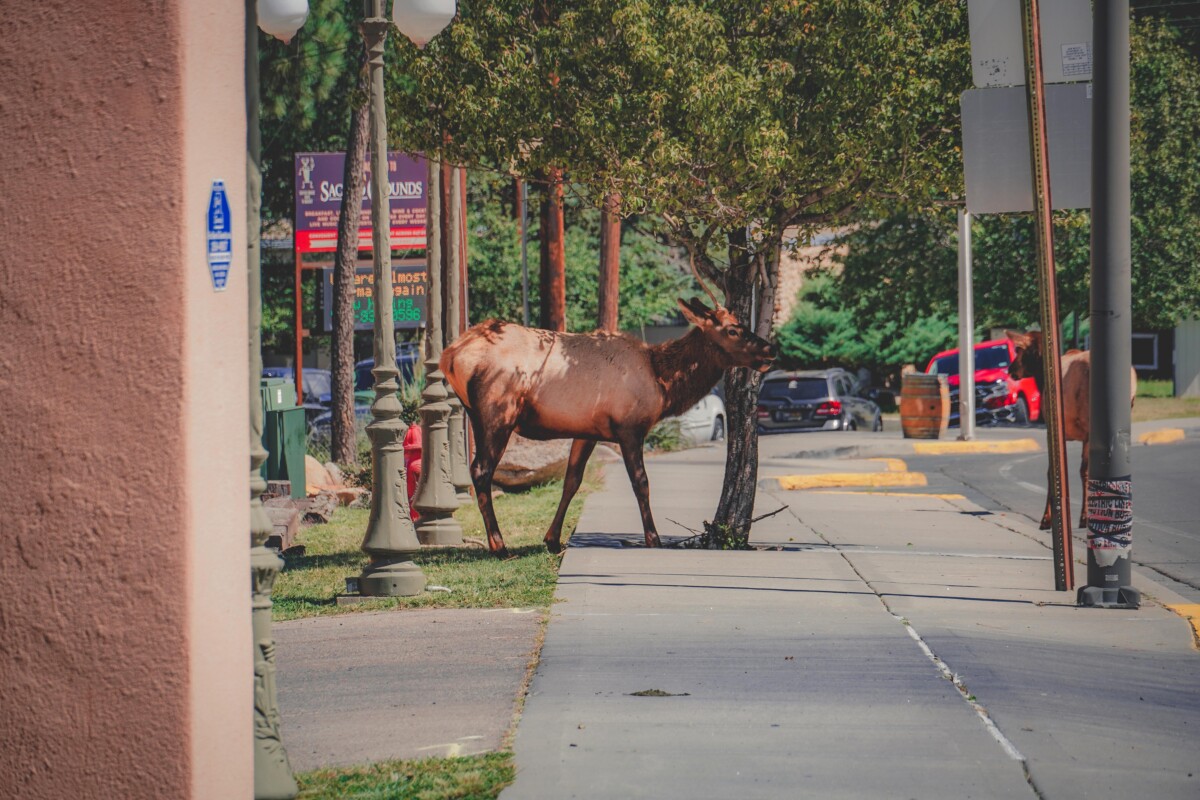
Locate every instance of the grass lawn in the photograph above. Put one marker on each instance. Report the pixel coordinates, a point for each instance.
(309, 584)
(470, 778)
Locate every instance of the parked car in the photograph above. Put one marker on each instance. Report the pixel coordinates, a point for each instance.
(824, 400)
(998, 397)
(705, 421)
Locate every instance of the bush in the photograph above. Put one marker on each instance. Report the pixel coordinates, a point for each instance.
(666, 436)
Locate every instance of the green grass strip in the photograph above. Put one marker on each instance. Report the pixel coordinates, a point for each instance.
(478, 777)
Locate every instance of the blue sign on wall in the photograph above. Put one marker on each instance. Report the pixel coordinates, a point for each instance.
(220, 236)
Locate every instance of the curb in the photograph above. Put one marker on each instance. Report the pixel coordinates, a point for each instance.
(1161, 436)
(1007, 446)
(834, 480)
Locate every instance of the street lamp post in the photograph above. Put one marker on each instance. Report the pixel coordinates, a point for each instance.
(391, 540)
(273, 778)
(435, 498)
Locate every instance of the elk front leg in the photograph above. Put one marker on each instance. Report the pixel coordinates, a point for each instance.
(489, 447)
(631, 451)
(581, 450)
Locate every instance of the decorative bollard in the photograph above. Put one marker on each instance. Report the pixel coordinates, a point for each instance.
(436, 498)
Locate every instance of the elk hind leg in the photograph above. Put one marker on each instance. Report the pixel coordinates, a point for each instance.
(631, 451)
(489, 447)
(581, 450)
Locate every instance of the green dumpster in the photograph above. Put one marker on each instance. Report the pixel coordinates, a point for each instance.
(283, 434)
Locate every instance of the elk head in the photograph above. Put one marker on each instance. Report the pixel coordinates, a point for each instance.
(1027, 363)
(740, 345)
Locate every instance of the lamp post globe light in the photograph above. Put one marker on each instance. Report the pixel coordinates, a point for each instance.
(273, 778)
(282, 18)
(421, 20)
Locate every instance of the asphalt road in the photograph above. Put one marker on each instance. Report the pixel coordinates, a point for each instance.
(1166, 499)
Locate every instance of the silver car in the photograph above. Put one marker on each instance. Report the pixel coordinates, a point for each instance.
(823, 400)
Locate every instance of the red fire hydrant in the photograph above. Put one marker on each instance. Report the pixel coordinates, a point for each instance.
(412, 464)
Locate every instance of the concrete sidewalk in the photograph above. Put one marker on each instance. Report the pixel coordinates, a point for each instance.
(894, 645)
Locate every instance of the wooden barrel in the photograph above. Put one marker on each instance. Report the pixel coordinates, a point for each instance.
(924, 405)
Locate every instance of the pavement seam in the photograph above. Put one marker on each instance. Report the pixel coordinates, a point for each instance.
(944, 670)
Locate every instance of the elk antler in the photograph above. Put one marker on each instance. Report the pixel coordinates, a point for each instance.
(699, 280)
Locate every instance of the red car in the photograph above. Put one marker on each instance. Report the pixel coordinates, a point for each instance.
(997, 395)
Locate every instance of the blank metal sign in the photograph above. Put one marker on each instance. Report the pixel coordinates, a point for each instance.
(996, 156)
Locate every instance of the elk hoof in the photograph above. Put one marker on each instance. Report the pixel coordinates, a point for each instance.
(1045, 526)
(501, 554)
(554, 546)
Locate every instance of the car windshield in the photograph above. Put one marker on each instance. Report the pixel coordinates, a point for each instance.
(364, 379)
(992, 357)
(317, 383)
(795, 389)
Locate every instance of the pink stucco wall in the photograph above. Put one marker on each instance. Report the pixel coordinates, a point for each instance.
(125, 660)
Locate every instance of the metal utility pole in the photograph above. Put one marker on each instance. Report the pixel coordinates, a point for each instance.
(966, 330)
(1052, 402)
(1110, 479)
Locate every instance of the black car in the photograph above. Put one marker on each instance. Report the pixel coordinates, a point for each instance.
(823, 400)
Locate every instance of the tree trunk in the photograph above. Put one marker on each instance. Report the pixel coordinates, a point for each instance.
(750, 289)
(344, 443)
(610, 262)
(553, 283)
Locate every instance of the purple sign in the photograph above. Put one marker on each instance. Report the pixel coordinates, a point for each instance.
(319, 198)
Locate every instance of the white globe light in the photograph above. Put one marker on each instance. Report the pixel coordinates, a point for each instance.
(421, 20)
(282, 18)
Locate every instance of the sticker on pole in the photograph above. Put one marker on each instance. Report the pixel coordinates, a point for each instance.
(220, 236)
(1110, 516)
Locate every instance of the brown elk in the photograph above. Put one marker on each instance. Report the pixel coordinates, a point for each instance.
(597, 387)
(1076, 394)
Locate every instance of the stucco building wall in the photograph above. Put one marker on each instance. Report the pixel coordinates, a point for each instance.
(125, 655)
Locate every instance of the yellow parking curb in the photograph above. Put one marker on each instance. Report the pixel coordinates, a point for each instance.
(831, 480)
(944, 448)
(895, 494)
(1161, 436)
(891, 464)
(1190, 612)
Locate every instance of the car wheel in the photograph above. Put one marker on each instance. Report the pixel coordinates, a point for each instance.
(877, 425)
(1020, 412)
(718, 431)
(848, 424)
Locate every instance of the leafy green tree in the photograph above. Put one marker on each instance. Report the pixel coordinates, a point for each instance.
(650, 282)
(906, 261)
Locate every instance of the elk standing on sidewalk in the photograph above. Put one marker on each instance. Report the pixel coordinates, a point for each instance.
(598, 387)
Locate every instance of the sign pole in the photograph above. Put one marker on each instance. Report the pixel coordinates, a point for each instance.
(1110, 479)
(966, 330)
(1052, 402)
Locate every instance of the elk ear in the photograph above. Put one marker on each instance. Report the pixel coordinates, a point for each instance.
(1017, 338)
(693, 310)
